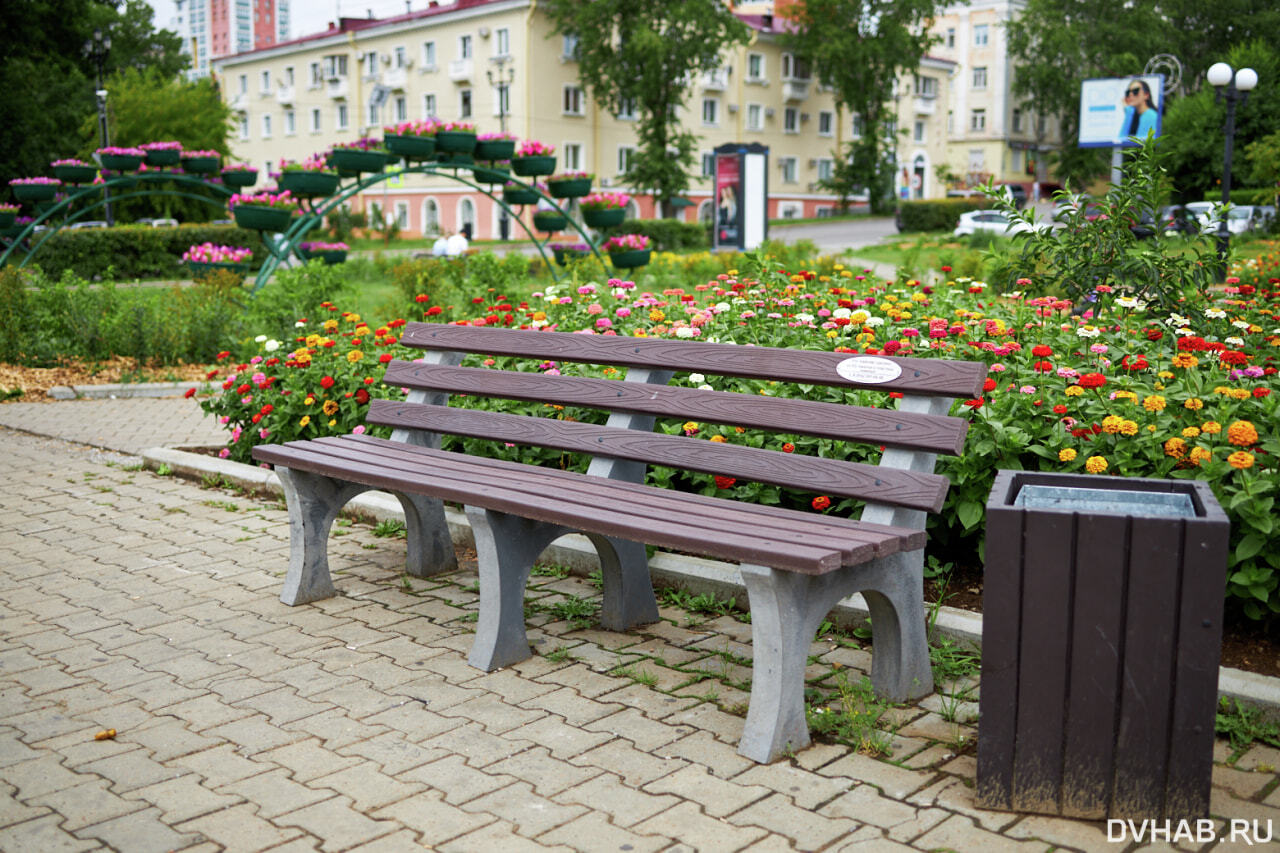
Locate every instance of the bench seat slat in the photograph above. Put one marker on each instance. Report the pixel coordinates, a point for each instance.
(912, 489)
(925, 376)
(890, 427)
(886, 539)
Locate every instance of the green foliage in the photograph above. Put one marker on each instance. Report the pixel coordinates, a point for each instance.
(937, 214)
(15, 314)
(343, 221)
(1245, 724)
(647, 54)
(858, 718)
(134, 252)
(671, 235)
(878, 40)
(290, 295)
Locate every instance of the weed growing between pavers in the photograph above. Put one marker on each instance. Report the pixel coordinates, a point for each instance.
(856, 718)
(390, 528)
(1244, 725)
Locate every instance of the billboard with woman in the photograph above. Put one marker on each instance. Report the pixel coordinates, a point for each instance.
(1120, 111)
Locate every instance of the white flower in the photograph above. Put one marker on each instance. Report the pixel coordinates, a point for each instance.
(1132, 302)
(1241, 324)
(299, 325)
(271, 346)
(1178, 320)
(705, 388)
(721, 307)
(260, 339)
(1088, 332)
(804, 318)
(684, 332)
(1215, 313)
(1234, 341)
(696, 379)
(841, 313)
(873, 321)
(1183, 331)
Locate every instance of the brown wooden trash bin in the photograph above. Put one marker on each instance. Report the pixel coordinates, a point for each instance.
(1101, 636)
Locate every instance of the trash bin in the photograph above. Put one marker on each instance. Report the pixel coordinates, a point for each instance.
(1101, 636)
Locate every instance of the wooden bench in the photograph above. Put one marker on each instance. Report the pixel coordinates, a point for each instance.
(796, 565)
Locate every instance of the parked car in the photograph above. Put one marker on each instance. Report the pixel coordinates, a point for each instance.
(159, 223)
(1017, 192)
(993, 222)
(1176, 219)
(1203, 212)
(1065, 207)
(88, 223)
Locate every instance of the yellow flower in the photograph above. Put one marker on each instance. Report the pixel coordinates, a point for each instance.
(846, 274)
(1175, 447)
(1126, 395)
(1129, 428)
(1164, 374)
(354, 356)
(306, 419)
(1211, 427)
(539, 315)
(1066, 454)
(1242, 434)
(1222, 389)
(1200, 455)
(1185, 359)
(690, 426)
(1154, 403)
(313, 340)
(1195, 404)
(1095, 464)
(353, 318)
(1240, 460)
(719, 439)
(1111, 424)
(310, 400)
(331, 325)
(1074, 391)
(1151, 427)
(832, 333)
(330, 407)
(657, 316)
(1239, 394)
(1190, 432)
(333, 422)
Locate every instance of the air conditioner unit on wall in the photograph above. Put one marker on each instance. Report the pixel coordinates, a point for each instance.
(484, 32)
(768, 111)
(733, 108)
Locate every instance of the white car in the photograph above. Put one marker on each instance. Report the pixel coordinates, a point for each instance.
(994, 222)
(1203, 213)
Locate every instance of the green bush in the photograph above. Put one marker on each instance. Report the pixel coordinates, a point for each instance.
(134, 251)
(670, 235)
(1256, 195)
(937, 214)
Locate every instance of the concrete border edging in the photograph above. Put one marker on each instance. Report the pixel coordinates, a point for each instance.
(693, 574)
(125, 389)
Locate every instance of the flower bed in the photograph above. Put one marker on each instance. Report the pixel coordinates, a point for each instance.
(210, 253)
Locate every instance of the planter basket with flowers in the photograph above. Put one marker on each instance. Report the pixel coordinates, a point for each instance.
(72, 171)
(549, 220)
(456, 137)
(206, 257)
(412, 140)
(162, 154)
(604, 210)
(628, 250)
(311, 177)
(238, 175)
(330, 253)
(566, 252)
(121, 159)
(570, 184)
(200, 162)
(8, 213)
(363, 155)
(494, 173)
(263, 211)
(34, 189)
(532, 159)
(513, 193)
(495, 146)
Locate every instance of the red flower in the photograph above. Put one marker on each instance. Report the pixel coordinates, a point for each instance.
(989, 384)
(385, 357)
(191, 392)
(820, 503)
(1261, 392)
(1191, 343)
(422, 297)
(362, 396)
(256, 417)
(1139, 363)
(326, 382)
(1041, 351)
(895, 395)
(975, 404)
(1059, 409)
(1043, 366)
(724, 482)
(946, 269)
(891, 347)
(268, 409)
(1233, 357)
(1092, 380)
(244, 389)
(223, 354)
(788, 448)
(434, 310)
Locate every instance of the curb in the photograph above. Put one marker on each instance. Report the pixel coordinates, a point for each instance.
(692, 574)
(125, 389)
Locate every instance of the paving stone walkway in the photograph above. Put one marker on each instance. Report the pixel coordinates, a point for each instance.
(148, 605)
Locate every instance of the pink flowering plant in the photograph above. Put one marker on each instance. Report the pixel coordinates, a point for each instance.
(458, 126)
(71, 161)
(200, 153)
(626, 243)
(210, 253)
(325, 247)
(425, 127)
(604, 201)
(161, 146)
(534, 148)
(495, 136)
(314, 163)
(364, 143)
(238, 167)
(37, 181)
(280, 201)
(8, 207)
(129, 151)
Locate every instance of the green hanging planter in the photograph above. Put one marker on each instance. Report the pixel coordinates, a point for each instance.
(604, 218)
(520, 195)
(630, 258)
(410, 147)
(456, 141)
(75, 174)
(492, 174)
(549, 221)
(564, 256)
(259, 218)
(541, 164)
(162, 157)
(7, 218)
(569, 187)
(239, 178)
(357, 160)
(200, 165)
(203, 267)
(34, 192)
(495, 149)
(305, 183)
(121, 162)
(329, 256)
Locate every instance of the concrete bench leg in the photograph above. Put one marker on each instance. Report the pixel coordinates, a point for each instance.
(506, 548)
(786, 610)
(430, 549)
(628, 589)
(314, 501)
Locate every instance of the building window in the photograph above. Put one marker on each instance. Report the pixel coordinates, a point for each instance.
(980, 77)
(1017, 121)
(625, 155)
(401, 58)
(315, 120)
(401, 108)
(917, 132)
(790, 120)
(402, 214)
(857, 126)
(926, 87)
(290, 123)
(266, 83)
(244, 84)
(708, 164)
(430, 216)
(266, 127)
(572, 100)
(826, 122)
(569, 46)
(788, 165)
(1015, 160)
(335, 65)
(793, 68)
(572, 152)
(244, 127)
(428, 106)
(467, 216)
(428, 56)
(710, 111)
(627, 108)
(755, 117)
(951, 36)
(369, 64)
(316, 76)
(372, 115)
(502, 42)
(288, 76)
(464, 103)
(981, 34)
(826, 168)
(978, 120)
(342, 118)
(951, 122)
(464, 47)
(755, 67)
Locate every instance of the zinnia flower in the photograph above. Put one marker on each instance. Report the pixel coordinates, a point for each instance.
(1067, 454)
(1175, 447)
(820, 503)
(1154, 403)
(1242, 434)
(1095, 464)
(1240, 460)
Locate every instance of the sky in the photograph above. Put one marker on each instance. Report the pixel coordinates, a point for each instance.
(308, 16)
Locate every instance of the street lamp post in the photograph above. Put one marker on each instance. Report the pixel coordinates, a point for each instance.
(501, 83)
(97, 49)
(1238, 85)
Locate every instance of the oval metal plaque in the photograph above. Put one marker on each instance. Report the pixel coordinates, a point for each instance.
(869, 370)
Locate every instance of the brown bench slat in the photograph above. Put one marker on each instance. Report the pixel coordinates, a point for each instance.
(468, 486)
(912, 489)
(890, 427)
(924, 376)
(707, 511)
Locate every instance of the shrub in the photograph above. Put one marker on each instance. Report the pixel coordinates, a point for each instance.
(133, 252)
(672, 235)
(936, 215)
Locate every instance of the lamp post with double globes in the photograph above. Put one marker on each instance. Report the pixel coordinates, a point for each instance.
(97, 48)
(1237, 85)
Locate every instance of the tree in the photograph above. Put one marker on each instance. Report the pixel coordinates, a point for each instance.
(646, 54)
(861, 57)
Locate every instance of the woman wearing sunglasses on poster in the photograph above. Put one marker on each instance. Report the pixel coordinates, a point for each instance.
(1139, 112)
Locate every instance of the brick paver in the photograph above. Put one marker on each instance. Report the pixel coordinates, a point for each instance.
(356, 724)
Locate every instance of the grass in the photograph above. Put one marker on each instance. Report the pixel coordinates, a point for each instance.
(390, 528)
(858, 718)
(1244, 725)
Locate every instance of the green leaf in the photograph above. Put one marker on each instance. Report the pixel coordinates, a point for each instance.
(970, 513)
(1249, 546)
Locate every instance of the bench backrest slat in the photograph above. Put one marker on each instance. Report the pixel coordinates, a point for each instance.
(930, 433)
(923, 376)
(916, 490)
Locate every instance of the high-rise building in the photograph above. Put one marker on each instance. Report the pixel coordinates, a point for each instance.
(211, 29)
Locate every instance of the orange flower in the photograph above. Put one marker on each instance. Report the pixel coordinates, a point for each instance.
(1095, 464)
(1240, 460)
(1211, 427)
(1185, 359)
(821, 502)
(1200, 455)
(1242, 434)
(1175, 447)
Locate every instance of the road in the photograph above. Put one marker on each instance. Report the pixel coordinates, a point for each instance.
(838, 236)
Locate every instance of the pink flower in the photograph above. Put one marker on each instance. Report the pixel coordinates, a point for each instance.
(359, 430)
(603, 323)
(224, 453)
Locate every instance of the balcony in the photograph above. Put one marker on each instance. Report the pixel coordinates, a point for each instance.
(337, 88)
(462, 70)
(716, 80)
(239, 103)
(286, 95)
(395, 78)
(926, 106)
(795, 90)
